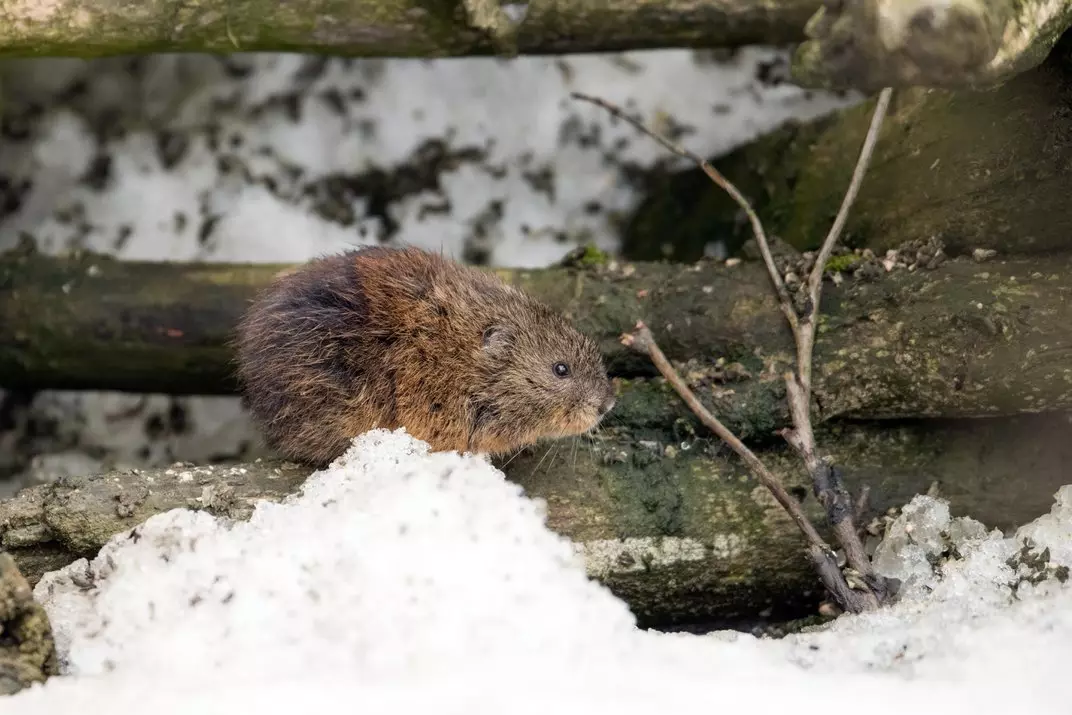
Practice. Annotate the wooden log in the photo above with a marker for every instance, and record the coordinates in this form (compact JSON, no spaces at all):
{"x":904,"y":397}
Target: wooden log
{"x":963,"y":339}
{"x":976,"y":169}
{"x":402,"y":28}
{"x":670,"y":522}
{"x":871,"y":44}
{"x":27,"y":649}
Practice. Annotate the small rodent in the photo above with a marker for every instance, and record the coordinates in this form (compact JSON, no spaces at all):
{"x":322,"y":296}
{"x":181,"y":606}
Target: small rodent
{"x":401,"y":337}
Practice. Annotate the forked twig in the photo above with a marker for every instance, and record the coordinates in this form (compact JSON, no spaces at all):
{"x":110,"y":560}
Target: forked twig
{"x":821,"y":554}
{"x":826,"y":480}
{"x":722,"y":182}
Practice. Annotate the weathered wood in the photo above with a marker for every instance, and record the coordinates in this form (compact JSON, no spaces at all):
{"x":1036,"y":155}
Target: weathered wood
{"x":977,"y":169}
{"x":404,"y":28}
{"x":865,"y":44}
{"x":964,"y":339}
{"x":870,"y":44}
{"x":27,"y":649}
{"x":670,"y":522}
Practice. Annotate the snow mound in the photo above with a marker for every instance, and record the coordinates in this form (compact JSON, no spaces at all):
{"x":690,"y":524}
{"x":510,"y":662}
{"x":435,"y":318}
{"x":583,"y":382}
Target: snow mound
{"x":400,"y":580}
{"x":384,"y":559}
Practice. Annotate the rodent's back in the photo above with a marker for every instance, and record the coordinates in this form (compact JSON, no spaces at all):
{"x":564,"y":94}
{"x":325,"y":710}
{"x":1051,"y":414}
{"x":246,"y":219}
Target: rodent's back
{"x":382,"y":337}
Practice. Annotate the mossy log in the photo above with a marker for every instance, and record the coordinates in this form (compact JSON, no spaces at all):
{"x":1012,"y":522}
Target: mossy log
{"x":671,"y":524}
{"x":961,"y":340}
{"x":870,"y":44}
{"x":864,"y":44}
{"x":27,"y":649}
{"x":403,"y":28}
{"x":977,"y":169}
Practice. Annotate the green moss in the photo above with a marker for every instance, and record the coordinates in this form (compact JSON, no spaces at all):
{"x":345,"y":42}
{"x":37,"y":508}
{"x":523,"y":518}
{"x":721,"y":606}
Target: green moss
{"x":976,"y":168}
{"x":592,"y":256}
{"x":840,"y":264}
{"x":373,"y":28}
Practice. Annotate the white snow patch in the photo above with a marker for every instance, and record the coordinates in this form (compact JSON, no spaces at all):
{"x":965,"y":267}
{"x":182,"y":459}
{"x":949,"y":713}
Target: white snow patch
{"x":276,"y":113}
{"x":400,"y":580}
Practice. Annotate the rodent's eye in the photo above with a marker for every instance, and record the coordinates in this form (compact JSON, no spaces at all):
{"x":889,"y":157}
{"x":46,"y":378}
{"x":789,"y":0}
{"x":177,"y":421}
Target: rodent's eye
{"x":561,"y":369}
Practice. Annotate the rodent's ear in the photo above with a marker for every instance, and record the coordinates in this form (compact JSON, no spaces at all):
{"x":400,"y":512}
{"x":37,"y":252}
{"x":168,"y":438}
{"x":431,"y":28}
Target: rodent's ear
{"x":495,"y":336}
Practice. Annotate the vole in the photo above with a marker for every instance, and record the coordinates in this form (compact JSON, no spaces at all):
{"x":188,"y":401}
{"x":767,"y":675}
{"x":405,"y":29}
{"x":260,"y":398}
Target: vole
{"x":402,"y":337}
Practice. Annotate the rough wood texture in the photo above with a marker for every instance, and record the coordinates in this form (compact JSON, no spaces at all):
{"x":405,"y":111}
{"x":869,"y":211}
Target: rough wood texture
{"x":964,"y":339}
{"x":27,"y":650}
{"x":670,"y":522}
{"x":870,"y":44}
{"x":406,"y":28}
{"x":865,"y":44}
{"x":978,"y":169}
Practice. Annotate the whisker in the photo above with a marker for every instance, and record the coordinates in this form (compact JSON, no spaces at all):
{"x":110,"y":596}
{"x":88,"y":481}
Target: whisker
{"x":512,"y":458}
{"x":607,"y":418}
{"x":558,"y":446}
{"x":540,"y":463}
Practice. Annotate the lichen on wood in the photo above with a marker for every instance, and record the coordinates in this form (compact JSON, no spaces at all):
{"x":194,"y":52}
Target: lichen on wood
{"x":672,"y":523}
{"x":27,"y":649}
{"x":402,"y":28}
{"x":864,"y":44}
{"x":870,"y":44}
{"x":961,"y":339}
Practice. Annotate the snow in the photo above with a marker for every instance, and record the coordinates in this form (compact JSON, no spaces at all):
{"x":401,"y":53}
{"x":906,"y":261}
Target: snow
{"x":403,"y":581}
{"x":194,"y":157}
{"x":280,"y":114}
{"x":400,"y":580}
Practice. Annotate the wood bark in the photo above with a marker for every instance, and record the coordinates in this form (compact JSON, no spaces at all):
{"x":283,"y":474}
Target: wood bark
{"x":866,"y":44}
{"x":403,"y":28}
{"x":27,"y":649}
{"x":672,"y":523}
{"x":976,"y":169}
{"x":871,"y":44}
{"x":963,"y":339}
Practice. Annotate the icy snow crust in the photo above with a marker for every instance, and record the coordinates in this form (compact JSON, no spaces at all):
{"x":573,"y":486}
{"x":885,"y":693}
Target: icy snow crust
{"x":404,"y":581}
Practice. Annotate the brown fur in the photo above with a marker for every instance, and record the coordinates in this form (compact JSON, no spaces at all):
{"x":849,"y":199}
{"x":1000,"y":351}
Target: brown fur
{"x":385,"y":337}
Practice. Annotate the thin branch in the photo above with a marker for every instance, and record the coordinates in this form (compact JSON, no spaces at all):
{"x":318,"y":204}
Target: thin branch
{"x":815,"y":280}
{"x":863,"y":503}
{"x":826,"y":480}
{"x":784,"y":300}
{"x":827,"y":485}
{"x":643,"y":341}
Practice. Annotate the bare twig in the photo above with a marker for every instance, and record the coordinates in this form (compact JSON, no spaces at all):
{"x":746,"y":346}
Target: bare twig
{"x":643,"y":341}
{"x":819,"y":551}
{"x":722,"y":182}
{"x":863,"y":503}
{"x":826,"y":480}
{"x":815,"y":280}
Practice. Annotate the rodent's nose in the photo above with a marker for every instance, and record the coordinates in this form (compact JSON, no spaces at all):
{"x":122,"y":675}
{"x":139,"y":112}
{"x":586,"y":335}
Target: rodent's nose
{"x":607,"y":405}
